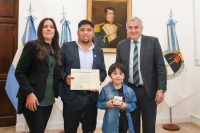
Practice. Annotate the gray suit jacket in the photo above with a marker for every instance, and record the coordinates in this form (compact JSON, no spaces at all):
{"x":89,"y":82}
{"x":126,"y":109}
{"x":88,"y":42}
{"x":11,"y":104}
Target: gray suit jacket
{"x":152,"y":64}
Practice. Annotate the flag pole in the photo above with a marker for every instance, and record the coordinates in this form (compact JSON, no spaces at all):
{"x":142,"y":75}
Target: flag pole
{"x":171,"y":47}
{"x":170,"y":126}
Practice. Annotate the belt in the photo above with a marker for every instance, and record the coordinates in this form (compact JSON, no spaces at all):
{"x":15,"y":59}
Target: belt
{"x":84,"y":92}
{"x":137,"y":86}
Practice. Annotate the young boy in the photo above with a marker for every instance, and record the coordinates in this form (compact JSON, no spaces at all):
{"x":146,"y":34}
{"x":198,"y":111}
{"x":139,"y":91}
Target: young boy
{"x":118,"y":100}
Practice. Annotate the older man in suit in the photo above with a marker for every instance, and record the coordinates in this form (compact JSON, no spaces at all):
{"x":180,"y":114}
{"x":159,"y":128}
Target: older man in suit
{"x":80,"y":106}
{"x":146,"y":73}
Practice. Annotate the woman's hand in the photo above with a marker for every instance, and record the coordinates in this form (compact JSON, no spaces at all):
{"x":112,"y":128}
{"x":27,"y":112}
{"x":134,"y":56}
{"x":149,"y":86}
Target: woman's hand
{"x":32,"y":102}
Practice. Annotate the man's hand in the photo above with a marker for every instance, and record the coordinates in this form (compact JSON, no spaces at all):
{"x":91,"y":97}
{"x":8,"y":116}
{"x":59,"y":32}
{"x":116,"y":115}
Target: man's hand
{"x":32,"y":102}
{"x":94,"y":90}
{"x":68,"y":80}
{"x":159,"y":96}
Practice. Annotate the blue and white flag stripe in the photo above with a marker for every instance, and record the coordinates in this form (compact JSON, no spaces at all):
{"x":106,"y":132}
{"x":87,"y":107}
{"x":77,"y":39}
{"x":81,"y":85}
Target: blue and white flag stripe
{"x":12,"y":85}
{"x":172,"y":37}
{"x":66,"y":32}
{"x":30,"y":32}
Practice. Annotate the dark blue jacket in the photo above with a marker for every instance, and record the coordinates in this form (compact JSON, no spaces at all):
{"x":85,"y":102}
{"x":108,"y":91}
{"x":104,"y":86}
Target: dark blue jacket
{"x":70,"y":60}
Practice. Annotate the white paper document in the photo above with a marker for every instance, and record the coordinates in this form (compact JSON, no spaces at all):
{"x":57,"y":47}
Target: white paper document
{"x":85,"y":79}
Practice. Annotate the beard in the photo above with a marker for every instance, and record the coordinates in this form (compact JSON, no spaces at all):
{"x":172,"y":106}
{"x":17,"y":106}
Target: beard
{"x":85,"y":41}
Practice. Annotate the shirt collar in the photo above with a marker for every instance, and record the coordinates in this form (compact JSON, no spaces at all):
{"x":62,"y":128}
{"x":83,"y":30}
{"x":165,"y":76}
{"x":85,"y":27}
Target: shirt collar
{"x":139,"y":40}
{"x":82,"y":48}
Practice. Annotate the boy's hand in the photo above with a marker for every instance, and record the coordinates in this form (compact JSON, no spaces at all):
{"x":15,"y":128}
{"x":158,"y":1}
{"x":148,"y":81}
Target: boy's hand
{"x":110,"y":104}
{"x":123,"y":106}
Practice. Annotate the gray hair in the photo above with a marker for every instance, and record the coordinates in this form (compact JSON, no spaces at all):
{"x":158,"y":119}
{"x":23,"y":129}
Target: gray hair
{"x":133,"y":19}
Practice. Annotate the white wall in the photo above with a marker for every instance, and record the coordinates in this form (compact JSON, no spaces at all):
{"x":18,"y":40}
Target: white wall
{"x":196,"y":9}
{"x":195,"y":71}
{"x":154,"y":14}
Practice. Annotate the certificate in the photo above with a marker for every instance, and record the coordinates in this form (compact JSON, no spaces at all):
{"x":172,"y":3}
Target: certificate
{"x":85,"y":79}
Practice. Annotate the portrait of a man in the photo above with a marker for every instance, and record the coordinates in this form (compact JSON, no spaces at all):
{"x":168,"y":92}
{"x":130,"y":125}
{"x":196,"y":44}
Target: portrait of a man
{"x":109,"y":32}
{"x":109,"y":18}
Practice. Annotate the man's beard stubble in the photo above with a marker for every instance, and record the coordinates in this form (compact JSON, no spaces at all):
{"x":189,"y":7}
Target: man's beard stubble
{"x":85,"y":41}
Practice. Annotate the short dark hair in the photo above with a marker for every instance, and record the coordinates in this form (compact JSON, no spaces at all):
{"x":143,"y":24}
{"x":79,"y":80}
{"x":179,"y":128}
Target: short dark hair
{"x":85,"y":21}
{"x":116,"y":66}
{"x":108,"y":8}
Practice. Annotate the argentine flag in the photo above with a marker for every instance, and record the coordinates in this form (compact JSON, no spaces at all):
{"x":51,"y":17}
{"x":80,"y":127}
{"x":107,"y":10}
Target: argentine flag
{"x":178,"y":88}
{"x":65,"y":32}
{"x":30,"y":32}
{"x":171,"y":35}
{"x":12,"y":85}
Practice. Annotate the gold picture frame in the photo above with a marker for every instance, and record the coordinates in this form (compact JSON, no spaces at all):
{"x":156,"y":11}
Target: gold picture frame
{"x":123,"y":11}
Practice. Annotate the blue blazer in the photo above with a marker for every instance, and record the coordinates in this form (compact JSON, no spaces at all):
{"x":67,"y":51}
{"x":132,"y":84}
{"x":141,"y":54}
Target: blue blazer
{"x":70,"y":60}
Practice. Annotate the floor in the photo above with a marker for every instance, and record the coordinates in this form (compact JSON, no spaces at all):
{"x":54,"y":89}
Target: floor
{"x":184,"y":128}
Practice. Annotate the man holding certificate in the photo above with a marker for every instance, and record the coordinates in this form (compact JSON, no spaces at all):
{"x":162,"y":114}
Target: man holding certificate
{"x":82,"y":71}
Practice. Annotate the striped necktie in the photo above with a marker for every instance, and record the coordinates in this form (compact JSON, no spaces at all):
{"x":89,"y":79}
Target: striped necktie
{"x":135,"y":65}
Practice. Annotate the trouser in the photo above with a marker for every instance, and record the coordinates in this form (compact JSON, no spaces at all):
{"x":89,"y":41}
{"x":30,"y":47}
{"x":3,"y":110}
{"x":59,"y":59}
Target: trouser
{"x":38,"y":119}
{"x":145,"y":108}
{"x":87,"y":114}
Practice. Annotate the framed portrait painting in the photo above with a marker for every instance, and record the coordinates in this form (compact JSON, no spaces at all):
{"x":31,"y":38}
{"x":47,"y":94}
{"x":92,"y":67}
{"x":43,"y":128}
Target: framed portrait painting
{"x":109,"y":18}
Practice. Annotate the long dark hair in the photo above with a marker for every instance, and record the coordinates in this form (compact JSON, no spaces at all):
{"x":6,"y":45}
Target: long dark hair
{"x":42,"y":52}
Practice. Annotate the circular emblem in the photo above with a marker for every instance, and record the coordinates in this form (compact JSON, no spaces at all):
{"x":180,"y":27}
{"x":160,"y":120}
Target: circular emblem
{"x":174,"y":63}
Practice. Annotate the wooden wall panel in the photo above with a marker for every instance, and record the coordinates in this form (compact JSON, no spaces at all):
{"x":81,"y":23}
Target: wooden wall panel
{"x":7,"y":8}
{"x":8,"y":47}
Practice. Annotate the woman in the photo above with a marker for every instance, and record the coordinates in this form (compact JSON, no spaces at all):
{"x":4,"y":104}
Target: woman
{"x":37,"y":75}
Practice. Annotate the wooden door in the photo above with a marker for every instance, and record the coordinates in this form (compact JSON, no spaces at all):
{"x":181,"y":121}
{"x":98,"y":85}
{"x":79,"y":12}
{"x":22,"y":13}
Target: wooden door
{"x":8,"y":47}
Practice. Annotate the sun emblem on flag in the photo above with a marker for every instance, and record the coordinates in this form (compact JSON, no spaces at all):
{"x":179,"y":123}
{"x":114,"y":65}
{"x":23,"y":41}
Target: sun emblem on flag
{"x":174,"y":63}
